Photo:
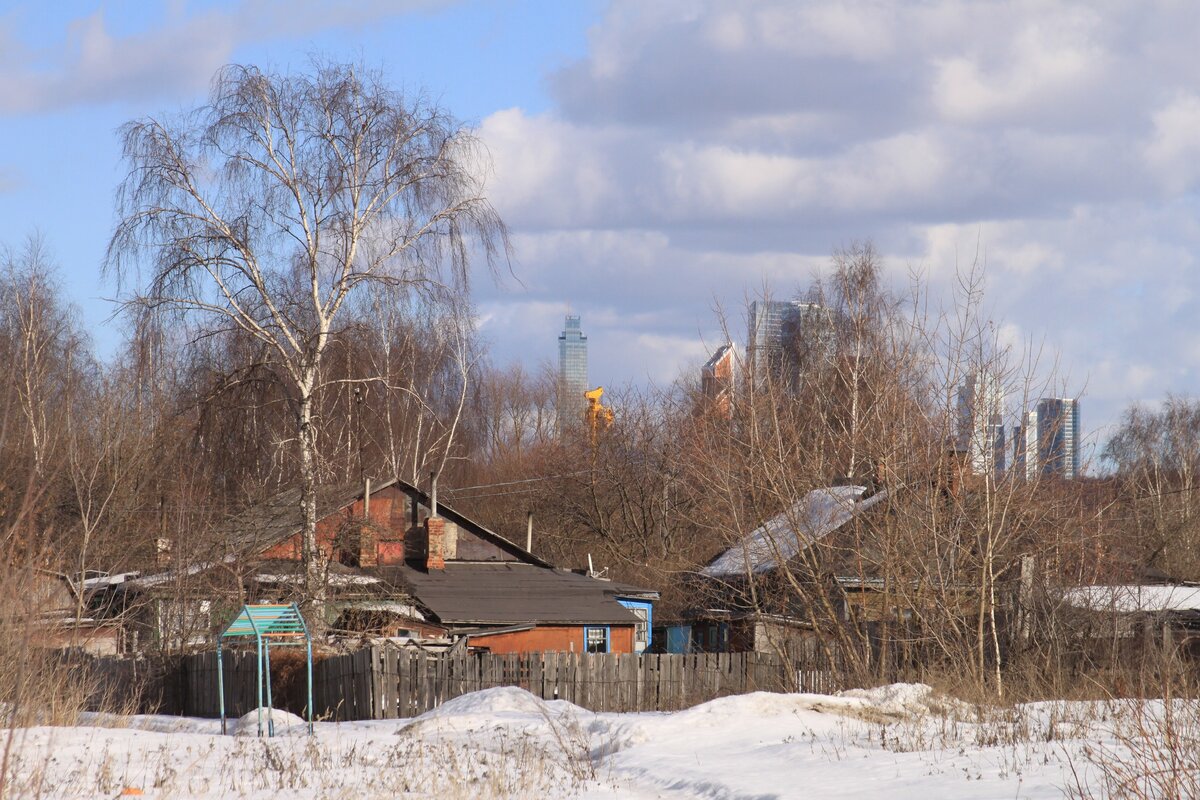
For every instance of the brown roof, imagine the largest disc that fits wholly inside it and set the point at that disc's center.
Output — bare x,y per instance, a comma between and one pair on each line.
508,593
271,521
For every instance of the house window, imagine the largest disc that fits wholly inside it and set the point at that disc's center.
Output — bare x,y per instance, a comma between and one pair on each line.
641,631
595,640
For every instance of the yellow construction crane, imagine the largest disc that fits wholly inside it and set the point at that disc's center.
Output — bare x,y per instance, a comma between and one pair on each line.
599,416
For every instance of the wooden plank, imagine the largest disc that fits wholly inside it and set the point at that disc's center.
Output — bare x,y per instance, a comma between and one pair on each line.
612,682
404,683
441,680
385,704
549,675
680,681
423,684
366,700
400,682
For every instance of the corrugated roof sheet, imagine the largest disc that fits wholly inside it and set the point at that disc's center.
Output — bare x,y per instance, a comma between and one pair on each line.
782,538
509,593
1132,598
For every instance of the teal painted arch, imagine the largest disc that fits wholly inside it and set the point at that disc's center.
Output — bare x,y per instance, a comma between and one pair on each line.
269,626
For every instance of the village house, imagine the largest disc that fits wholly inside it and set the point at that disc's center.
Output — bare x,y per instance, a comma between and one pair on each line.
57,623
744,603
398,564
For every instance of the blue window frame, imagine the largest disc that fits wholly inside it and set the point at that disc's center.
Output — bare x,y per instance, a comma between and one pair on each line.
644,611
595,639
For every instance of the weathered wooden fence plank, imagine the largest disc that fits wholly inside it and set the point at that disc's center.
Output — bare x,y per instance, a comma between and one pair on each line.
387,683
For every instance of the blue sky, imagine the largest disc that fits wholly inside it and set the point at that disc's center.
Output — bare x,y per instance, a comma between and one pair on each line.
60,162
656,160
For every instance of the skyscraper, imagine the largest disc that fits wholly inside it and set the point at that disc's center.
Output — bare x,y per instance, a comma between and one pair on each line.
716,381
1025,446
981,423
572,372
1058,436
780,331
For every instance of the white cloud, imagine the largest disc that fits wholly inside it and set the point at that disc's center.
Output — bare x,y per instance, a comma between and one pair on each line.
702,148
1173,151
1048,56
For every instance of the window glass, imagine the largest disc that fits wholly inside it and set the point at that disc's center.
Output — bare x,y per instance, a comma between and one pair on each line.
595,640
642,629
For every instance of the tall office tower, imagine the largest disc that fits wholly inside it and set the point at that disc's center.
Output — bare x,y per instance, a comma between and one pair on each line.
782,334
981,423
572,373
1058,436
1025,447
716,381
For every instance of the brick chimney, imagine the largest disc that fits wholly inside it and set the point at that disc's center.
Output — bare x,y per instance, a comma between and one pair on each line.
366,545
435,531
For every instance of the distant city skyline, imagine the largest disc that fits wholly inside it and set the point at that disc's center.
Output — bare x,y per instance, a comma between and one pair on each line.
653,150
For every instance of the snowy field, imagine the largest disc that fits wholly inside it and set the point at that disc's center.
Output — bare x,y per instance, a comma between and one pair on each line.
898,741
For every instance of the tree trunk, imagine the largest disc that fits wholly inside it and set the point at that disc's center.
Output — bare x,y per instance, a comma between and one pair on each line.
314,572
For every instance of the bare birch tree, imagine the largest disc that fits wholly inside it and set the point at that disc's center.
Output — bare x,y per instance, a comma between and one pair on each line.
266,209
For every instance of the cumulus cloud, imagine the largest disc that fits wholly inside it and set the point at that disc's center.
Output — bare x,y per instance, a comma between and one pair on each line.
699,149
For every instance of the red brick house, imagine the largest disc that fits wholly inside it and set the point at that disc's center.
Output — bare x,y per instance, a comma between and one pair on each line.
397,560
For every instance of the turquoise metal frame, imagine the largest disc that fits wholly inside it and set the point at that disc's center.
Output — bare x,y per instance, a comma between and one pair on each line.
648,605
282,625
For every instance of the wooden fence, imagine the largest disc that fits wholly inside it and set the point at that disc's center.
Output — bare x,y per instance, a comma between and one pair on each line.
390,683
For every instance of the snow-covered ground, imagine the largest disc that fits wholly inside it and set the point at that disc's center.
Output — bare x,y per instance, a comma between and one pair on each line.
898,741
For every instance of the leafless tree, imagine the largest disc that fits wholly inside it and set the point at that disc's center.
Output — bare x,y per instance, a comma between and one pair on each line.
1156,455
266,209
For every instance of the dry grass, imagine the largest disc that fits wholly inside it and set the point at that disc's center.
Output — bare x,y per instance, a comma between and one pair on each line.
39,686
335,764
1153,751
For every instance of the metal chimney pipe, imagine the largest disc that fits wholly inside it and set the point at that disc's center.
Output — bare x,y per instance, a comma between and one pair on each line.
433,494
529,532
367,499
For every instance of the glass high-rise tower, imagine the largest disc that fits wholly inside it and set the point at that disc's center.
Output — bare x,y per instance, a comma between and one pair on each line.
981,422
572,372
1025,447
1058,436
780,331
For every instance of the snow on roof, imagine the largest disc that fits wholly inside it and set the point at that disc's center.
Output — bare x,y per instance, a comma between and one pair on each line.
332,579
159,578
1132,598
104,581
816,515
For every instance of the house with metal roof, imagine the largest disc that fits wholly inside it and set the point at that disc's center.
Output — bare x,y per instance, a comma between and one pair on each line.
399,562
742,601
